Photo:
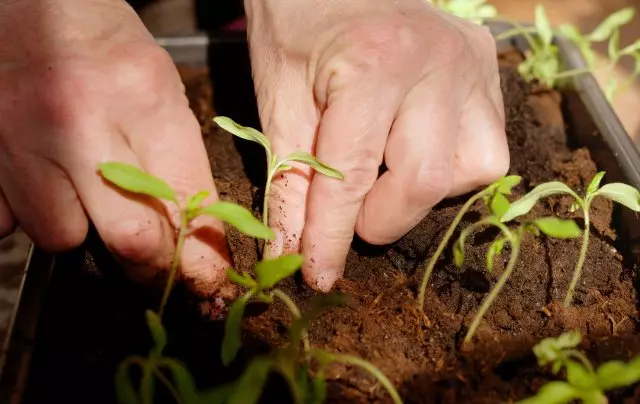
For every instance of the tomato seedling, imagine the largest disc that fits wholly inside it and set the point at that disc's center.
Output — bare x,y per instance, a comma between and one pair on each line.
617,192
584,383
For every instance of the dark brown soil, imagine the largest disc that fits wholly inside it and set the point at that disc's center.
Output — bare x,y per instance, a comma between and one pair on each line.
420,354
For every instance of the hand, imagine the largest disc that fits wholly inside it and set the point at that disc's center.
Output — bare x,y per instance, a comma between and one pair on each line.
361,82
83,82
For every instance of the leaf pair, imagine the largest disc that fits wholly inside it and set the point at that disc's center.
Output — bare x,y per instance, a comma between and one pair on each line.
135,180
268,274
276,165
618,192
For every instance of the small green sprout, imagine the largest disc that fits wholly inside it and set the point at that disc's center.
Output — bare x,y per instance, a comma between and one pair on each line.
135,180
551,226
180,385
542,62
493,194
275,165
293,363
617,192
584,383
476,11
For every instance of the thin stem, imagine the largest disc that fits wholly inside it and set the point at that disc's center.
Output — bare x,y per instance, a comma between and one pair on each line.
580,357
514,32
175,262
295,311
368,367
515,246
146,387
168,385
581,258
445,241
570,73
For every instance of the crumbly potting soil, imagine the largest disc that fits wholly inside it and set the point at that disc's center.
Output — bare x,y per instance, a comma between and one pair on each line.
94,318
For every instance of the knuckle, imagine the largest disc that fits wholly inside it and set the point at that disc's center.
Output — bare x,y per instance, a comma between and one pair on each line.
134,241
431,184
360,175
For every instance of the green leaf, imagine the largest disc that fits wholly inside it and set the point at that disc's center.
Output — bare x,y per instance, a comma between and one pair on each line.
232,339
554,393
243,132
249,387
240,218
505,184
572,33
196,200
617,374
622,193
316,164
494,249
269,272
157,331
542,25
523,205
458,254
499,205
319,385
595,183
125,393
611,89
614,46
133,179
183,380
558,228
579,376
243,280
611,23
550,349
631,49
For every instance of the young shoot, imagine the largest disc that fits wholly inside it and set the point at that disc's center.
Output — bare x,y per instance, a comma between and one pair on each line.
494,193
542,61
476,11
275,164
171,374
135,180
617,192
551,226
294,361
583,383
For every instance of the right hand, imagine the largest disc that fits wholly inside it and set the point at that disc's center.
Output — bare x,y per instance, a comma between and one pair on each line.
83,82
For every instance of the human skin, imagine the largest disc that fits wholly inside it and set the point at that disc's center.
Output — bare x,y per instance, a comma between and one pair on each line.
356,82
360,82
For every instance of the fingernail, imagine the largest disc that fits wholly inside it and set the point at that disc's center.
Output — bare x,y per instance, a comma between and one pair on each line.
276,245
326,280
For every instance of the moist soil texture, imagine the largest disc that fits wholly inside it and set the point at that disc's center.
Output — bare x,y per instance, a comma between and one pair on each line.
94,317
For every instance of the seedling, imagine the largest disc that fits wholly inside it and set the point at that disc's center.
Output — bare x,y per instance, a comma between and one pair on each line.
135,180
275,164
617,192
551,226
493,193
584,383
180,385
294,361
476,11
542,61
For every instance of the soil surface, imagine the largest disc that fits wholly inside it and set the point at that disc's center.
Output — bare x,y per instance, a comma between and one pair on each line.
94,317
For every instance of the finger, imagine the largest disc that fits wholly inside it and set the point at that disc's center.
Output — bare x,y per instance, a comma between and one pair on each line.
419,156
482,153
133,227
43,201
290,129
351,138
7,222
170,146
